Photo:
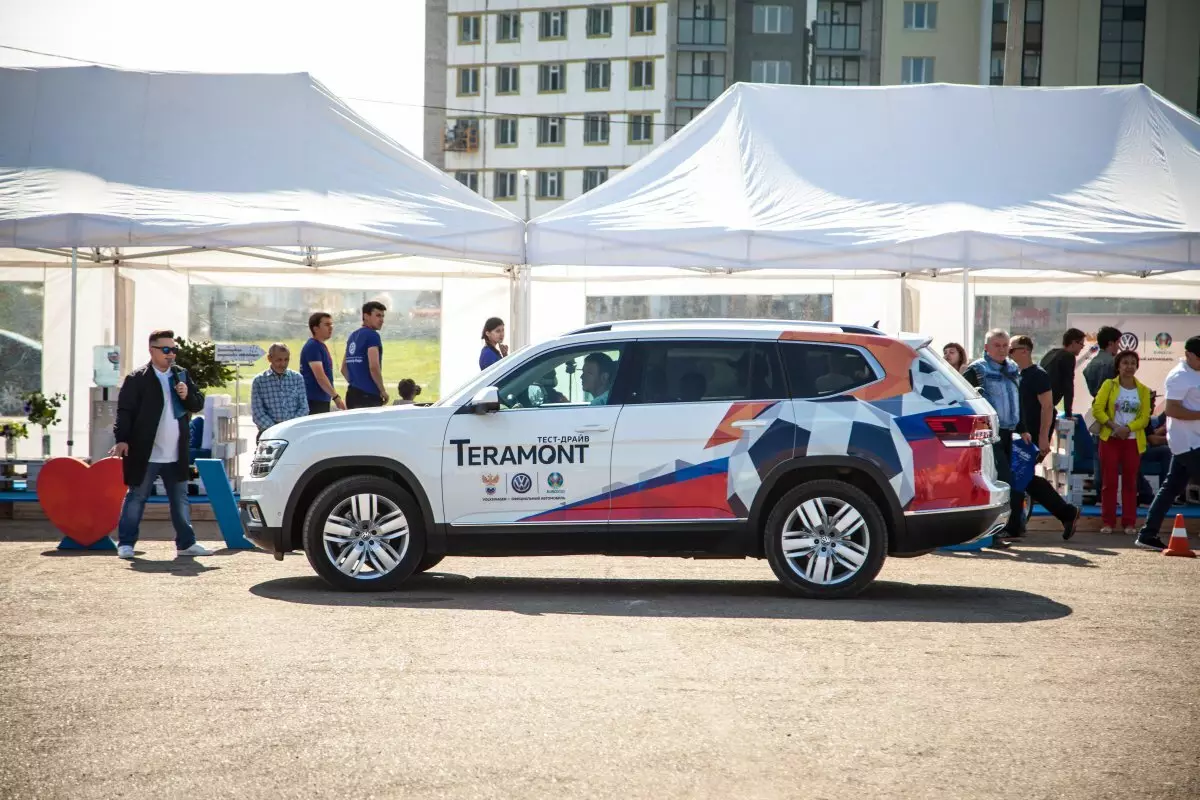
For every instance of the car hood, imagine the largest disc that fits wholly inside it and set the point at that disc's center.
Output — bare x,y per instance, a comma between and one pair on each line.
390,417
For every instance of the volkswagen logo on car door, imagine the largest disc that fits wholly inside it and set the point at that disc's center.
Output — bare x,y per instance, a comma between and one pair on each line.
521,483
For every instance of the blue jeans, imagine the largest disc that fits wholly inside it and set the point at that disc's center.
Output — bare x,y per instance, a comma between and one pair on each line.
1184,467
135,504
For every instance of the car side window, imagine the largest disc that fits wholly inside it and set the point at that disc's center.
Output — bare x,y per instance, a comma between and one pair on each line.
822,370
697,371
578,376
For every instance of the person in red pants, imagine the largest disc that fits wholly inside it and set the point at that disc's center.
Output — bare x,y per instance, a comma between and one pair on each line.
1122,408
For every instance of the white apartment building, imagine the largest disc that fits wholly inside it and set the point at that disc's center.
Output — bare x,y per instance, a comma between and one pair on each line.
558,96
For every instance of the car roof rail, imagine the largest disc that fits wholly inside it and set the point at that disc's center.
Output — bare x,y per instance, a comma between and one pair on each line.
604,327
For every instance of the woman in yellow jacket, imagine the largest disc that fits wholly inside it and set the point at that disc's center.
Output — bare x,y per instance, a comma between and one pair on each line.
1122,407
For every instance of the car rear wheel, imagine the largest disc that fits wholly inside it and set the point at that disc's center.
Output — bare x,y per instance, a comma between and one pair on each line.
825,539
364,534
428,562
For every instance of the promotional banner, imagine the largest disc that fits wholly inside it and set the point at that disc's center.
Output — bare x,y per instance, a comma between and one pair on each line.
1157,339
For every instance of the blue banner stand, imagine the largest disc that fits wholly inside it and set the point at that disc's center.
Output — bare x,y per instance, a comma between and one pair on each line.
216,484
103,543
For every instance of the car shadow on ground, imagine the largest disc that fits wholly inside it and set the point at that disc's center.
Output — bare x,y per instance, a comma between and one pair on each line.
883,601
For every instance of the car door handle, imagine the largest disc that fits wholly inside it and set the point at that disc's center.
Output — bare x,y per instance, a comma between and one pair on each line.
750,423
591,429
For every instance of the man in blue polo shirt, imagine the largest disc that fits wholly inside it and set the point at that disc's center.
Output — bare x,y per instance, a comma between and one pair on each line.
363,364
316,365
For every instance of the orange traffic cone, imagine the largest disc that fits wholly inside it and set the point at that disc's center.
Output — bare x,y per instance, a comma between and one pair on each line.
1178,545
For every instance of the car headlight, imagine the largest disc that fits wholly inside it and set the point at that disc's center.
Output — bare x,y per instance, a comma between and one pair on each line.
266,456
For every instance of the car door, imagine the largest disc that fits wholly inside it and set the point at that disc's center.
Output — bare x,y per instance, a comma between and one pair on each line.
545,456
703,420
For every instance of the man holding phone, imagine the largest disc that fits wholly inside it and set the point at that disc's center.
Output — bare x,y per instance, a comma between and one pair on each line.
152,438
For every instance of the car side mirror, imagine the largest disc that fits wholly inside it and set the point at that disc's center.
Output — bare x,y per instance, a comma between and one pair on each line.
486,400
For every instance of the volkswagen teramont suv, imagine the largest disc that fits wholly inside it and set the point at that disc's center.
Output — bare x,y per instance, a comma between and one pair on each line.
822,448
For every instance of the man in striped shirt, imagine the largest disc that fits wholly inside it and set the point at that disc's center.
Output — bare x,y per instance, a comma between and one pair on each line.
278,394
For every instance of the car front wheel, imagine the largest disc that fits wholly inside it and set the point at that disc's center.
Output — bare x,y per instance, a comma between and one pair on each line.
364,534
825,539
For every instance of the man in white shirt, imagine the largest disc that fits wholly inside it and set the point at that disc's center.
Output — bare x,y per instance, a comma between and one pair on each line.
152,437
1183,437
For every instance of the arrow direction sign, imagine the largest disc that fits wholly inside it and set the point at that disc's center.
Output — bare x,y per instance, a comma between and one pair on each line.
239,353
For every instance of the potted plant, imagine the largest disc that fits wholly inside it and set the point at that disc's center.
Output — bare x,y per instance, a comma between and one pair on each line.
11,432
42,411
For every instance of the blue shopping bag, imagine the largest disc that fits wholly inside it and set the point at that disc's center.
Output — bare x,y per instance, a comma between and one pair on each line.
1024,459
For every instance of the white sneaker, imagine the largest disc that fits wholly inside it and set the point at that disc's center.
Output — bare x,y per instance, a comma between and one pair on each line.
195,550
125,551
1106,529
1131,531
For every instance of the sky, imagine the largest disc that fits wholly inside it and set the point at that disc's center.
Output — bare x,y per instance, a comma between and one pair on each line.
367,49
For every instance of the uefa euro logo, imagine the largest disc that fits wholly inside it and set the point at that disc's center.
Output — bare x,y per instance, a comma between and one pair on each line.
554,480
1163,341
521,483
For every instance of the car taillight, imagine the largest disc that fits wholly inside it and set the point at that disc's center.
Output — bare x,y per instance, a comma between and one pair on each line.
966,430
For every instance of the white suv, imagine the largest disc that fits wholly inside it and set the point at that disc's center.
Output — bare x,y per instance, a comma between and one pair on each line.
822,448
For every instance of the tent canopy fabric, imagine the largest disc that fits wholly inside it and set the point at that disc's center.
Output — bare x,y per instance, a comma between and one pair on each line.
97,157
904,178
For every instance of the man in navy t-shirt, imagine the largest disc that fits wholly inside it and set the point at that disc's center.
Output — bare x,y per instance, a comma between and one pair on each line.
363,365
316,365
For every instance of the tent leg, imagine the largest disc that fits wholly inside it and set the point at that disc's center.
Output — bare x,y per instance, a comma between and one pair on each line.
966,332
71,375
519,305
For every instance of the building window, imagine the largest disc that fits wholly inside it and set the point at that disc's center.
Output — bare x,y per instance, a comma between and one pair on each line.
506,132
699,76
468,29
598,76
506,186
552,77
683,116
463,136
595,128
702,21
593,177
549,184
599,21
836,71
468,179
641,128
508,79
641,73
468,81
916,70
552,25
771,71
920,16
839,25
1031,51
550,130
508,26
772,19
641,20
1122,41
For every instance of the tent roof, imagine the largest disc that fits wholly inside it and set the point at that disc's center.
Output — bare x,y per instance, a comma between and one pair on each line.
97,157
906,178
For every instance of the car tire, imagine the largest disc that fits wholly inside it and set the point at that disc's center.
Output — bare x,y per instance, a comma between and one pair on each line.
364,534
835,538
428,562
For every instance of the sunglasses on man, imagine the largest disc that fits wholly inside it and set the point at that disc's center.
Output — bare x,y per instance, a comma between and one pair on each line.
166,349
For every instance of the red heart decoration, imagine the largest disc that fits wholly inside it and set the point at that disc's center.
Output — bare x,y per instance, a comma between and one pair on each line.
81,501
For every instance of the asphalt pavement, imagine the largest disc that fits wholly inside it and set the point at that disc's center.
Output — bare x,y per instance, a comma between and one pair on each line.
1054,670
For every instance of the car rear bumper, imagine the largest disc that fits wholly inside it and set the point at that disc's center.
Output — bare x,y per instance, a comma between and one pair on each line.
930,530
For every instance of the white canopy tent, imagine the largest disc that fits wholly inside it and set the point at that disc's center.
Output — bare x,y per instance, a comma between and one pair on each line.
249,172
902,178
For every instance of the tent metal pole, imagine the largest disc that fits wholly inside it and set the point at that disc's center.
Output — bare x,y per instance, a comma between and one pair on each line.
966,287
71,374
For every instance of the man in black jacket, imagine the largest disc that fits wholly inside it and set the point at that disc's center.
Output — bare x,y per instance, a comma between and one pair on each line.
1059,364
152,437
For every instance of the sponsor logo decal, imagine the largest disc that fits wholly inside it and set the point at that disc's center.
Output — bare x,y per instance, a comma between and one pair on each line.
1128,341
1163,341
521,483
490,482
351,348
549,450
554,480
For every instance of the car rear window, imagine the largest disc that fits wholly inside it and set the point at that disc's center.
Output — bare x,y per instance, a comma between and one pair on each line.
823,370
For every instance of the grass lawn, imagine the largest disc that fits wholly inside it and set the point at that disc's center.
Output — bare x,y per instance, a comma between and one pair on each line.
419,359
